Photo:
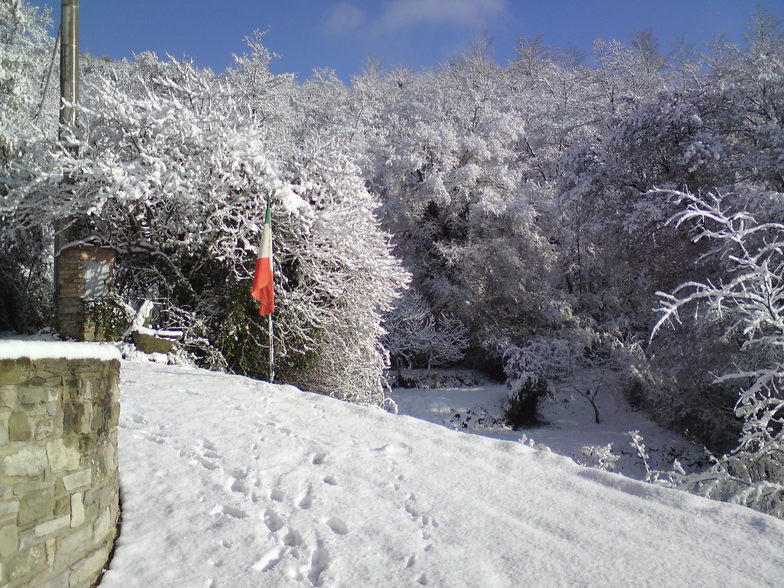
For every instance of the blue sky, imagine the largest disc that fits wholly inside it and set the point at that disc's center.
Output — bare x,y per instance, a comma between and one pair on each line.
342,34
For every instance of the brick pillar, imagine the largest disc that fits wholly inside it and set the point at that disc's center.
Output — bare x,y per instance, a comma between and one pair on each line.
85,274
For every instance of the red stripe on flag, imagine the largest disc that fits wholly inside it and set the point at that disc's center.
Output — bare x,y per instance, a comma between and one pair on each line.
263,290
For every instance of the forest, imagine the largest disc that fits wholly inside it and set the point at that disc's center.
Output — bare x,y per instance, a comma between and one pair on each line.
623,209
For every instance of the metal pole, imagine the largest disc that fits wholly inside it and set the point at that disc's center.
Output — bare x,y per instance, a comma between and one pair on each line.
271,352
69,63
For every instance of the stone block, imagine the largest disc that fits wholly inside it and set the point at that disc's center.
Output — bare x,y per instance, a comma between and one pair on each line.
108,497
27,539
86,570
36,394
52,526
15,371
36,507
7,396
77,509
51,550
62,456
77,417
73,544
36,410
44,580
62,505
44,428
152,344
61,580
53,409
24,563
73,481
19,428
9,540
102,525
9,507
29,460
5,414
99,418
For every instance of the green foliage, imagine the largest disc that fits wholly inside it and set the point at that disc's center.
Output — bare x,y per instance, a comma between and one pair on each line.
111,319
242,337
522,406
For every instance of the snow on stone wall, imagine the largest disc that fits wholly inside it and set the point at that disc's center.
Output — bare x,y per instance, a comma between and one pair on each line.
59,485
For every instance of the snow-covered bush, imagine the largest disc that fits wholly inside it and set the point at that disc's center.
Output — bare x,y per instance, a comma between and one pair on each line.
551,357
600,457
521,408
417,337
750,299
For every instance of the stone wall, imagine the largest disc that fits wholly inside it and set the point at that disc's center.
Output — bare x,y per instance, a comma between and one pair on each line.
59,486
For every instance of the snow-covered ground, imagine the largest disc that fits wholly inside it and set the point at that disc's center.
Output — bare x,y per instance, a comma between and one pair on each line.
232,482
569,420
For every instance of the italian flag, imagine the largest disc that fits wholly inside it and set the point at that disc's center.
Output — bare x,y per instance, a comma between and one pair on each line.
263,289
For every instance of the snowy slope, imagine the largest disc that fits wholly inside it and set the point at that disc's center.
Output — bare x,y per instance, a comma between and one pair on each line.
232,482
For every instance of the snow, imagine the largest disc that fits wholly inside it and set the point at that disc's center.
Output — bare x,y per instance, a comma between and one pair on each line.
568,420
228,481
165,334
14,348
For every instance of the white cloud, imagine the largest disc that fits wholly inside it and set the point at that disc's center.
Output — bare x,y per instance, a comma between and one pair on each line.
343,18
470,13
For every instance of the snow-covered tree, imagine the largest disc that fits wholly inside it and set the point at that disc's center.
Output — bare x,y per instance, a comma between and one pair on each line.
27,113
25,48
749,304
463,214
416,336
173,174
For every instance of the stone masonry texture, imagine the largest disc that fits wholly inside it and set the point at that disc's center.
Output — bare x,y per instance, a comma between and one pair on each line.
58,465
72,320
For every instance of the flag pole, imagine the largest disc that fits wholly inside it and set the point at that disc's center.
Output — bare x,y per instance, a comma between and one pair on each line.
263,290
271,351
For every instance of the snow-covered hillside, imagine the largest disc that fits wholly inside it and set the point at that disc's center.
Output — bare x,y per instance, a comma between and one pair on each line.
232,482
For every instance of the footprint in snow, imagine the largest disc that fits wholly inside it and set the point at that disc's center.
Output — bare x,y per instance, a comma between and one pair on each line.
318,458
305,501
273,521
235,512
207,464
337,526
238,486
319,562
237,481
159,439
292,538
269,560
